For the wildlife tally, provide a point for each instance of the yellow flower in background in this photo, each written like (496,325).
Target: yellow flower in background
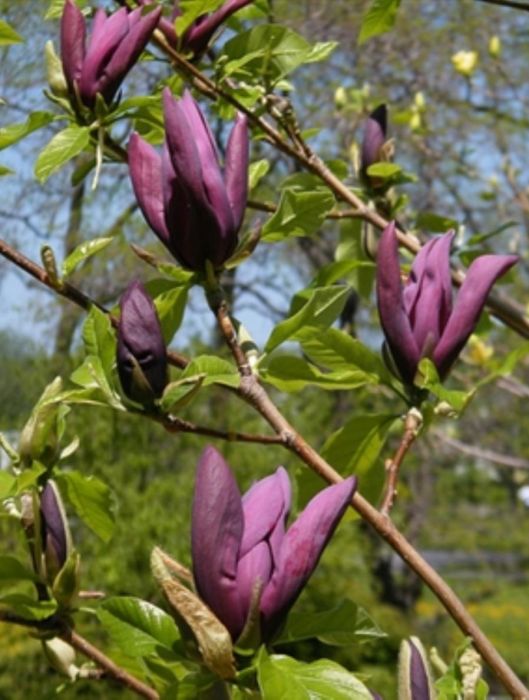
(465,62)
(495,46)
(478,352)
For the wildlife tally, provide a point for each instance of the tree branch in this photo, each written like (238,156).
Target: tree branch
(508,3)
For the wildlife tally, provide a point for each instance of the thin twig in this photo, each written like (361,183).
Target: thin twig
(271,208)
(481,453)
(508,3)
(109,667)
(412,424)
(177,425)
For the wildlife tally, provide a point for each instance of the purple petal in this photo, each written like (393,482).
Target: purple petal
(265,506)
(374,137)
(97,29)
(140,335)
(180,219)
(301,550)
(128,51)
(393,317)
(216,532)
(213,182)
(73,38)
(183,150)
(428,294)
(471,299)
(198,36)
(145,168)
(110,33)
(255,566)
(419,683)
(54,532)
(236,169)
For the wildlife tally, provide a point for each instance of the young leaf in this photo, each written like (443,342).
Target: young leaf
(215,369)
(256,172)
(12,570)
(8,35)
(291,373)
(91,499)
(320,308)
(337,350)
(137,627)
(356,446)
(63,147)
(83,251)
(99,339)
(27,607)
(283,677)
(170,299)
(343,625)
(379,18)
(15,132)
(299,213)
(192,10)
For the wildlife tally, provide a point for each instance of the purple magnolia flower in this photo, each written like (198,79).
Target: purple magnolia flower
(242,555)
(197,37)
(141,353)
(54,529)
(374,138)
(114,46)
(194,206)
(418,319)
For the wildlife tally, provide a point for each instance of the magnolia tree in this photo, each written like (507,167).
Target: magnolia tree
(221,630)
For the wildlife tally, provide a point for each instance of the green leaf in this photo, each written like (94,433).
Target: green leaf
(291,373)
(84,251)
(256,172)
(56,7)
(99,339)
(4,170)
(384,171)
(136,627)
(428,378)
(320,309)
(337,350)
(192,10)
(270,52)
(215,369)
(178,394)
(7,484)
(15,132)
(429,221)
(12,570)
(379,18)
(299,213)
(8,35)
(343,625)
(352,247)
(27,607)
(170,299)
(63,147)
(29,477)
(91,376)
(355,449)
(91,499)
(283,677)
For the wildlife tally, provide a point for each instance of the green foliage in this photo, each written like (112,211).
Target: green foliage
(64,146)
(282,676)
(8,35)
(91,499)
(299,213)
(379,18)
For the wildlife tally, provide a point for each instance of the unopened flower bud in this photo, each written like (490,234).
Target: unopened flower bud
(415,682)
(141,352)
(55,531)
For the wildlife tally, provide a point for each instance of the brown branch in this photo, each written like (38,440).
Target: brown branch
(512,314)
(412,424)
(508,3)
(254,394)
(108,666)
(178,425)
(481,453)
